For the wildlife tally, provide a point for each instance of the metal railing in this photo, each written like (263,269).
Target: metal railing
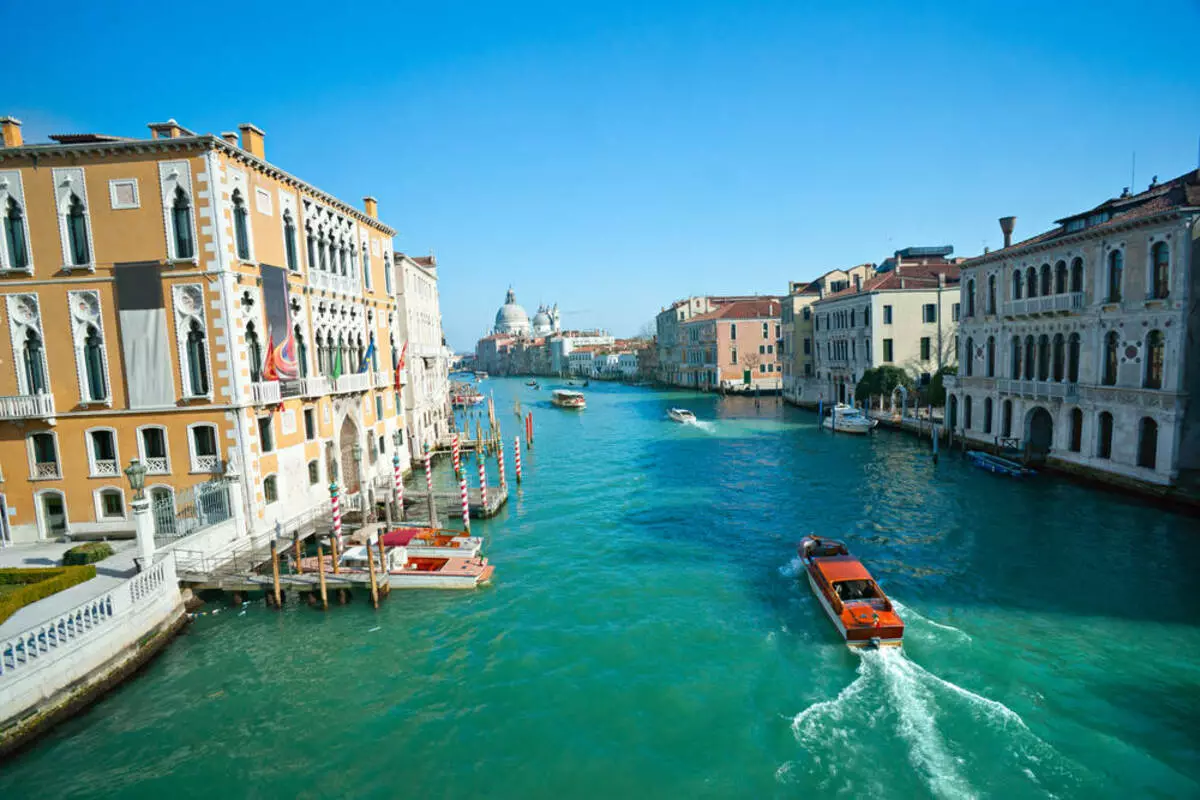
(1049,304)
(206,464)
(27,406)
(382,380)
(46,469)
(107,468)
(156,466)
(190,510)
(1043,390)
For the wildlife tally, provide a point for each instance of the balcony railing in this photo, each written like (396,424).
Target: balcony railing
(46,469)
(265,393)
(354,382)
(27,406)
(313,386)
(108,468)
(206,464)
(1049,304)
(156,466)
(1038,390)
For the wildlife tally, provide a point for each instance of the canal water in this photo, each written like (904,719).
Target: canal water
(646,636)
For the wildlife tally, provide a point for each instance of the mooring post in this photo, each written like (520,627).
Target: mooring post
(321,576)
(517,457)
(387,583)
(333,548)
(275,573)
(371,569)
(935,444)
(296,552)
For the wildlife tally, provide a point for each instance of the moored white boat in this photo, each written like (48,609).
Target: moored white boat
(410,572)
(433,543)
(565,398)
(681,415)
(848,419)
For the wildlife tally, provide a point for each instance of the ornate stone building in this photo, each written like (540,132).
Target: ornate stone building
(1079,344)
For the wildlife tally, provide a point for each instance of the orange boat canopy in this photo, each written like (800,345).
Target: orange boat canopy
(842,568)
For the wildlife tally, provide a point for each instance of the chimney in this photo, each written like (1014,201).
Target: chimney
(11,126)
(371,207)
(165,130)
(821,290)
(902,283)
(858,283)
(252,140)
(1006,225)
(941,280)
(230,137)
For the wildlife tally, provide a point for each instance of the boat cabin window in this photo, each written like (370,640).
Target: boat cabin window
(856,590)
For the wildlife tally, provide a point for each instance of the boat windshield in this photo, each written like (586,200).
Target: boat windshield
(857,590)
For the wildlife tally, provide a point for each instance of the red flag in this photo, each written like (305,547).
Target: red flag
(400,365)
(269,373)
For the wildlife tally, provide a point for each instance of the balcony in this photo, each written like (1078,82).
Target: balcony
(354,382)
(383,380)
(46,470)
(265,393)
(27,406)
(1038,390)
(1134,396)
(1050,304)
(156,466)
(106,468)
(206,464)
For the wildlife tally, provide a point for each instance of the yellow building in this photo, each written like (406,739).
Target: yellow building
(143,281)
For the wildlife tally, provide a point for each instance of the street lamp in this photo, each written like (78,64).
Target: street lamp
(136,473)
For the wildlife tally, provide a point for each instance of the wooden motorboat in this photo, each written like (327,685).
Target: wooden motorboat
(999,465)
(565,398)
(433,543)
(848,419)
(857,606)
(410,572)
(681,415)
(481,375)
(531,383)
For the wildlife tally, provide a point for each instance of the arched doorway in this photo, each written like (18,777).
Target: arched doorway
(952,413)
(51,508)
(349,469)
(1039,432)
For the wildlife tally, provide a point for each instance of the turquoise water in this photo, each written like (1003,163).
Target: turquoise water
(646,636)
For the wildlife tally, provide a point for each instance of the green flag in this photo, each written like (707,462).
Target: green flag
(337,364)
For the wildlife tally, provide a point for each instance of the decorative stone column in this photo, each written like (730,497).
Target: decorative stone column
(144,526)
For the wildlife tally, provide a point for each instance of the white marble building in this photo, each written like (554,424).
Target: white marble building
(1075,343)
(427,362)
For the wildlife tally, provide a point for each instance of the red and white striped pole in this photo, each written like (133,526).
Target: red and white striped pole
(483,481)
(466,505)
(399,485)
(517,456)
(429,472)
(454,454)
(337,515)
(500,466)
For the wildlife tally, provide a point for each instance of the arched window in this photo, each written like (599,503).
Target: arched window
(353,260)
(1154,361)
(1060,277)
(1160,272)
(301,352)
(312,247)
(1104,435)
(1148,443)
(991,306)
(969,356)
(991,357)
(1060,356)
(339,357)
(1031,282)
(967,412)
(971,299)
(181,225)
(112,504)
(289,241)
(1006,419)
(197,361)
(1116,271)
(1015,358)
(35,364)
(77,237)
(1076,431)
(322,369)
(323,264)
(1046,280)
(254,351)
(345,256)
(93,361)
(1017,284)
(1030,358)
(14,236)
(1077,275)
(270,489)
(1073,358)
(987,415)
(1043,357)
(1111,342)
(358,355)
(240,232)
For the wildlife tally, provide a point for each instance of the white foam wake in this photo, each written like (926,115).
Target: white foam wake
(907,614)
(792,569)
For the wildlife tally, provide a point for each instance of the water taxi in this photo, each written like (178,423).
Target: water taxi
(412,572)
(681,415)
(434,542)
(857,606)
(565,398)
(999,465)
(848,419)
(466,399)
(481,375)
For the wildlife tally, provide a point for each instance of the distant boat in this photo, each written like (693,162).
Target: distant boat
(681,415)
(480,375)
(565,398)
(998,465)
(848,419)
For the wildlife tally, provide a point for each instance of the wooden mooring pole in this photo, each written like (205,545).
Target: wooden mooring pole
(371,568)
(296,553)
(321,576)
(387,584)
(275,574)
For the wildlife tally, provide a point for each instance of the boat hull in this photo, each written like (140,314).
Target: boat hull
(439,580)
(854,638)
(843,428)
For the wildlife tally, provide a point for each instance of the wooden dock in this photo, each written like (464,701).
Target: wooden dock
(449,504)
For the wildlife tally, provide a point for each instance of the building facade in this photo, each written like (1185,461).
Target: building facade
(674,366)
(1079,344)
(798,354)
(427,360)
(734,348)
(905,316)
(220,317)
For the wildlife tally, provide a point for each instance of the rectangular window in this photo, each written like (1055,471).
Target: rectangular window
(770,367)
(154,444)
(762,368)
(123,193)
(762,349)
(887,349)
(808,370)
(807,312)
(205,440)
(43,449)
(266,434)
(887,315)
(765,329)
(733,355)
(808,347)
(310,423)
(925,348)
(930,312)
(314,473)
(771,348)
(387,276)
(378,407)
(777,331)
(732,330)
(381,445)
(954,312)
(112,504)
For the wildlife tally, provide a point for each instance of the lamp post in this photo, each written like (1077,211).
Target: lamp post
(397,438)
(143,524)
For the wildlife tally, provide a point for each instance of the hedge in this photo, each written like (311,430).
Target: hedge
(88,553)
(37,584)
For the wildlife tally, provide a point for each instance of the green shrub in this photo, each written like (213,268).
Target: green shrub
(32,585)
(88,553)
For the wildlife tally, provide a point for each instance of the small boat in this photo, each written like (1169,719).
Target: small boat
(857,606)
(480,376)
(414,572)
(565,398)
(531,383)
(999,465)
(434,542)
(465,399)
(848,419)
(681,415)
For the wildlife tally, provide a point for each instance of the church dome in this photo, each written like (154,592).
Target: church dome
(542,324)
(511,318)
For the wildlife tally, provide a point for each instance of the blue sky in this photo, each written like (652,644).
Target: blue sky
(615,156)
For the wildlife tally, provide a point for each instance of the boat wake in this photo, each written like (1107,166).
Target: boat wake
(793,568)
(908,614)
(958,743)
(707,427)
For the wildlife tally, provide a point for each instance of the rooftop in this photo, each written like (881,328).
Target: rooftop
(743,309)
(908,278)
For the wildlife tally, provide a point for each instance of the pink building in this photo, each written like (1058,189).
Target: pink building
(734,347)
